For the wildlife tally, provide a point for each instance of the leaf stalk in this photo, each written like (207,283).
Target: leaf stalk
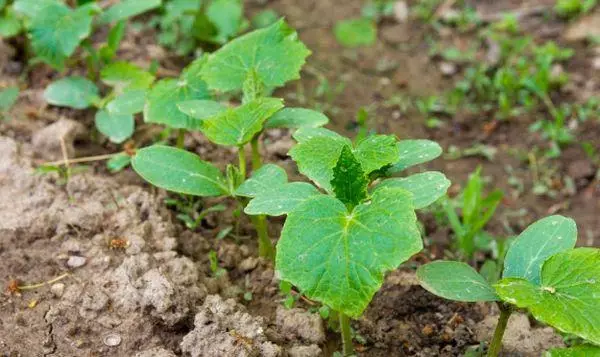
(347,347)
(496,343)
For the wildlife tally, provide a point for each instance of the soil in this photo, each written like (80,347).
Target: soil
(126,278)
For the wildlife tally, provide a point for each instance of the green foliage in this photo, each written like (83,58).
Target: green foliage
(264,18)
(426,187)
(559,285)
(8,97)
(179,171)
(10,22)
(577,351)
(127,9)
(117,127)
(118,162)
(274,53)
(356,32)
(572,8)
(295,118)
(415,152)
(349,180)
(74,92)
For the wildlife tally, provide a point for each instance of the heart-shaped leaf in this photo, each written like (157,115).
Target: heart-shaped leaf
(566,297)
(126,9)
(201,109)
(349,180)
(128,103)
(237,126)
(294,118)
(426,187)
(281,199)
(455,281)
(74,92)
(339,257)
(415,152)
(275,53)
(264,179)
(124,76)
(537,243)
(161,102)
(179,170)
(116,127)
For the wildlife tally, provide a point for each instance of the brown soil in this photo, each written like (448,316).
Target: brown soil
(157,296)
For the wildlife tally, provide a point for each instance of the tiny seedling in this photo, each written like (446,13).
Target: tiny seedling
(543,273)
(476,211)
(190,210)
(115,112)
(356,32)
(572,8)
(341,237)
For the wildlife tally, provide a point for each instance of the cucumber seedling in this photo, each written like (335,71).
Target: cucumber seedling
(339,239)
(543,273)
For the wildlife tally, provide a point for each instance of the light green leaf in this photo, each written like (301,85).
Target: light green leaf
(74,92)
(264,179)
(126,9)
(426,187)
(179,170)
(567,295)
(537,243)
(349,180)
(356,32)
(377,151)
(118,162)
(125,76)
(294,118)
(281,199)
(128,103)
(274,53)
(2,4)
(338,257)
(306,133)
(117,128)
(10,24)
(56,30)
(455,281)
(201,109)
(415,152)
(237,126)
(226,16)
(33,8)
(264,18)
(161,102)
(577,351)
(8,97)
(317,156)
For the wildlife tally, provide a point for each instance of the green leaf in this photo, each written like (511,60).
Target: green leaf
(577,351)
(74,92)
(356,32)
(226,16)
(161,102)
(125,76)
(117,128)
(252,88)
(10,24)
(306,133)
(179,171)
(126,9)
(415,152)
(8,97)
(455,281)
(537,243)
(118,162)
(426,187)
(201,109)
(128,103)
(264,179)
(567,295)
(294,118)
(264,18)
(282,199)
(237,126)
(349,180)
(56,30)
(275,53)
(2,4)
(377,151)
(33,8)
(338,257)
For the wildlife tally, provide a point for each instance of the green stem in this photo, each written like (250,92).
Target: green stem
(347,347)
(181,138)
(265,246)
(242,161)
(496,344)
(256,159)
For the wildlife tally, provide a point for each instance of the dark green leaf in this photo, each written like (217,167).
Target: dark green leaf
(349,180)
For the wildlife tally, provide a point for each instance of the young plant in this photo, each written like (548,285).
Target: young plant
(573,8)
(115,112)
(543,273)
(341,237)
(56,30)
(253,64)
(10,23)
(477,210)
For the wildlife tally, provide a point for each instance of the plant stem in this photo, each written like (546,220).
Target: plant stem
(181,138)
(265,246)
(496,344)
(242,161)
(347,347)
(256,159)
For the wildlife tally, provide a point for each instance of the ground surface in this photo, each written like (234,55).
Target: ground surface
(158,297)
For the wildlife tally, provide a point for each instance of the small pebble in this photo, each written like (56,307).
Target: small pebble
(112,340)
(448,68)
(76,261)
(401,11)
(57,289)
